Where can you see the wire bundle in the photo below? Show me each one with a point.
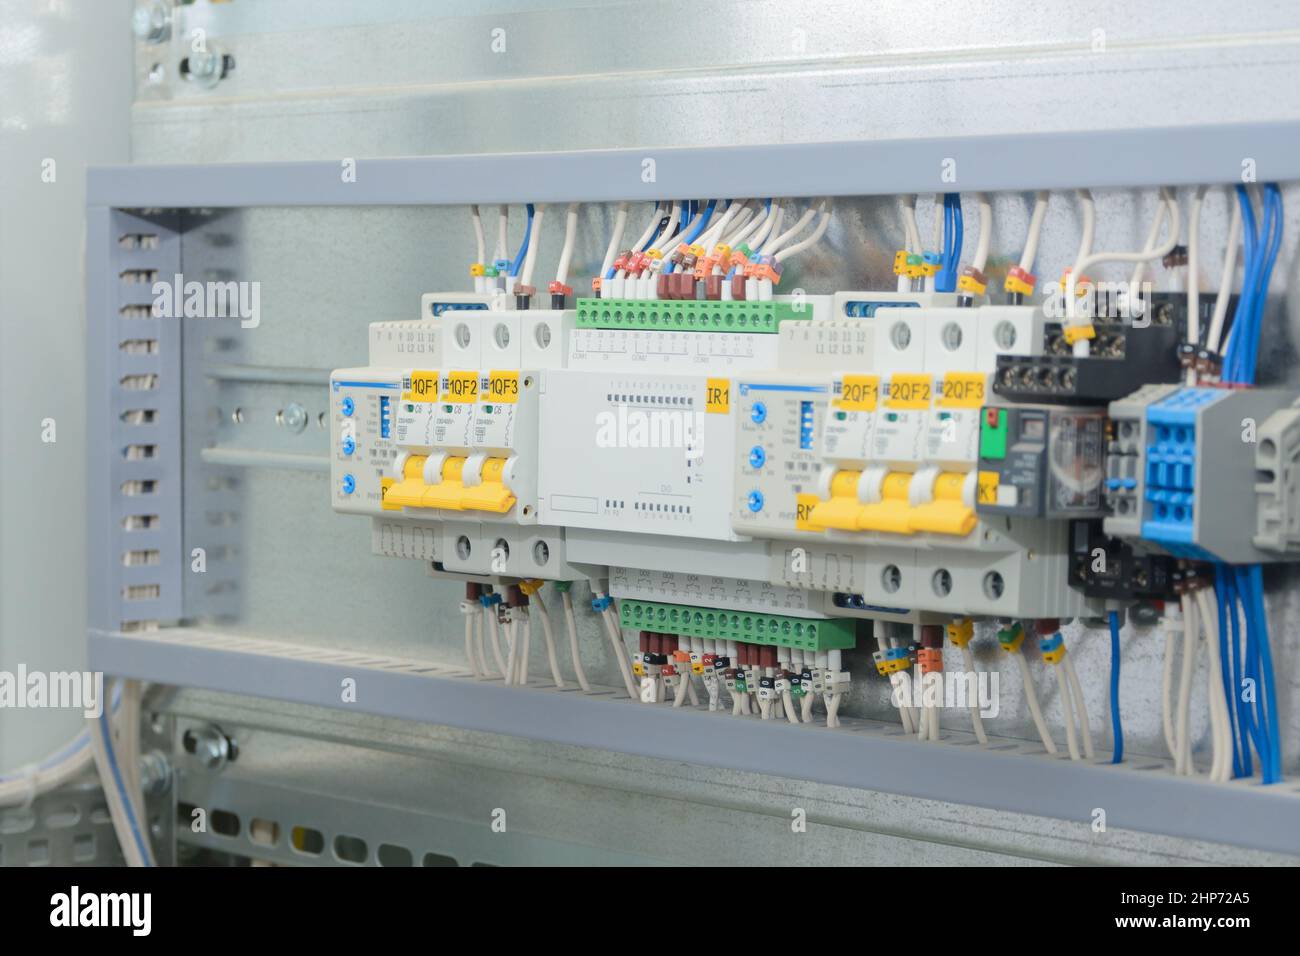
(1260, 254)
(945, 280)
(1248, 678)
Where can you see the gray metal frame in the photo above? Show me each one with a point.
(864, 754)
(1009, 775)
(1025, 161)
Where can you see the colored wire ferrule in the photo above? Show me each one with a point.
(1074, 333)
(1018, 281)
(1011, 638)
(961, 631)
(1053, 648)
(972, 281)
(930, 659)
(601, 604)
(477, 269)
(900, 262)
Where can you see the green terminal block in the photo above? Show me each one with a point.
(744, 626)
(686, 315)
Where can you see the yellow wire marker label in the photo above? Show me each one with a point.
(422, 386)
(460, 387)
(909, 391)
(500, 387)
(858, 393)
(962, 390)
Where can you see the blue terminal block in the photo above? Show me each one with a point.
(1171, 464)
(1199, 485)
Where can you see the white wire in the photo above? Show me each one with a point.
(1166, 693)
(572, 623)
(549, 636)
(1035, 230)
(480, 243)
(715, 230)
(620, 223)
(480, 644)
(742, 222)
(1153, 234)
(496, 644)
(503, 239)
(986, 231)
(800, 225)
(570, 238)
(750, 229)
(812, 239)
(911, 234)
(1081, 347)
(1183, 758)
(512, 650)
(651, 229)
(1089, 226)
(674, 217)
(1194, 275)
(1068, 711)
(968, 663)
(1227, 277)
(534, 241)
(1035, 711)
(122, 809)
(127, 735)
(524, 634)
(469, 644)
(612, 630)
(1219, 727)
(771, 222)
(1081, 708)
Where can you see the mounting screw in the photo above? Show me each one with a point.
(155, 773)
(209, 746)
(207, 67)
(152, 22)
(293, 416)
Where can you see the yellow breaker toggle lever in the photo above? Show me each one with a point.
(947, 512)
(841, 510)
(412, 492)
(490, 494)
(447, 493)
(892, 512)
(408, 492)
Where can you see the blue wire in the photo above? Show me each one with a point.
(1272, 241)
(1268, 693)
(1116, 724)
(946, 278)
(1254, 716)
(121, 788)
(1250, 734)
(1225, 670)
(523, 246)
(696, 226)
